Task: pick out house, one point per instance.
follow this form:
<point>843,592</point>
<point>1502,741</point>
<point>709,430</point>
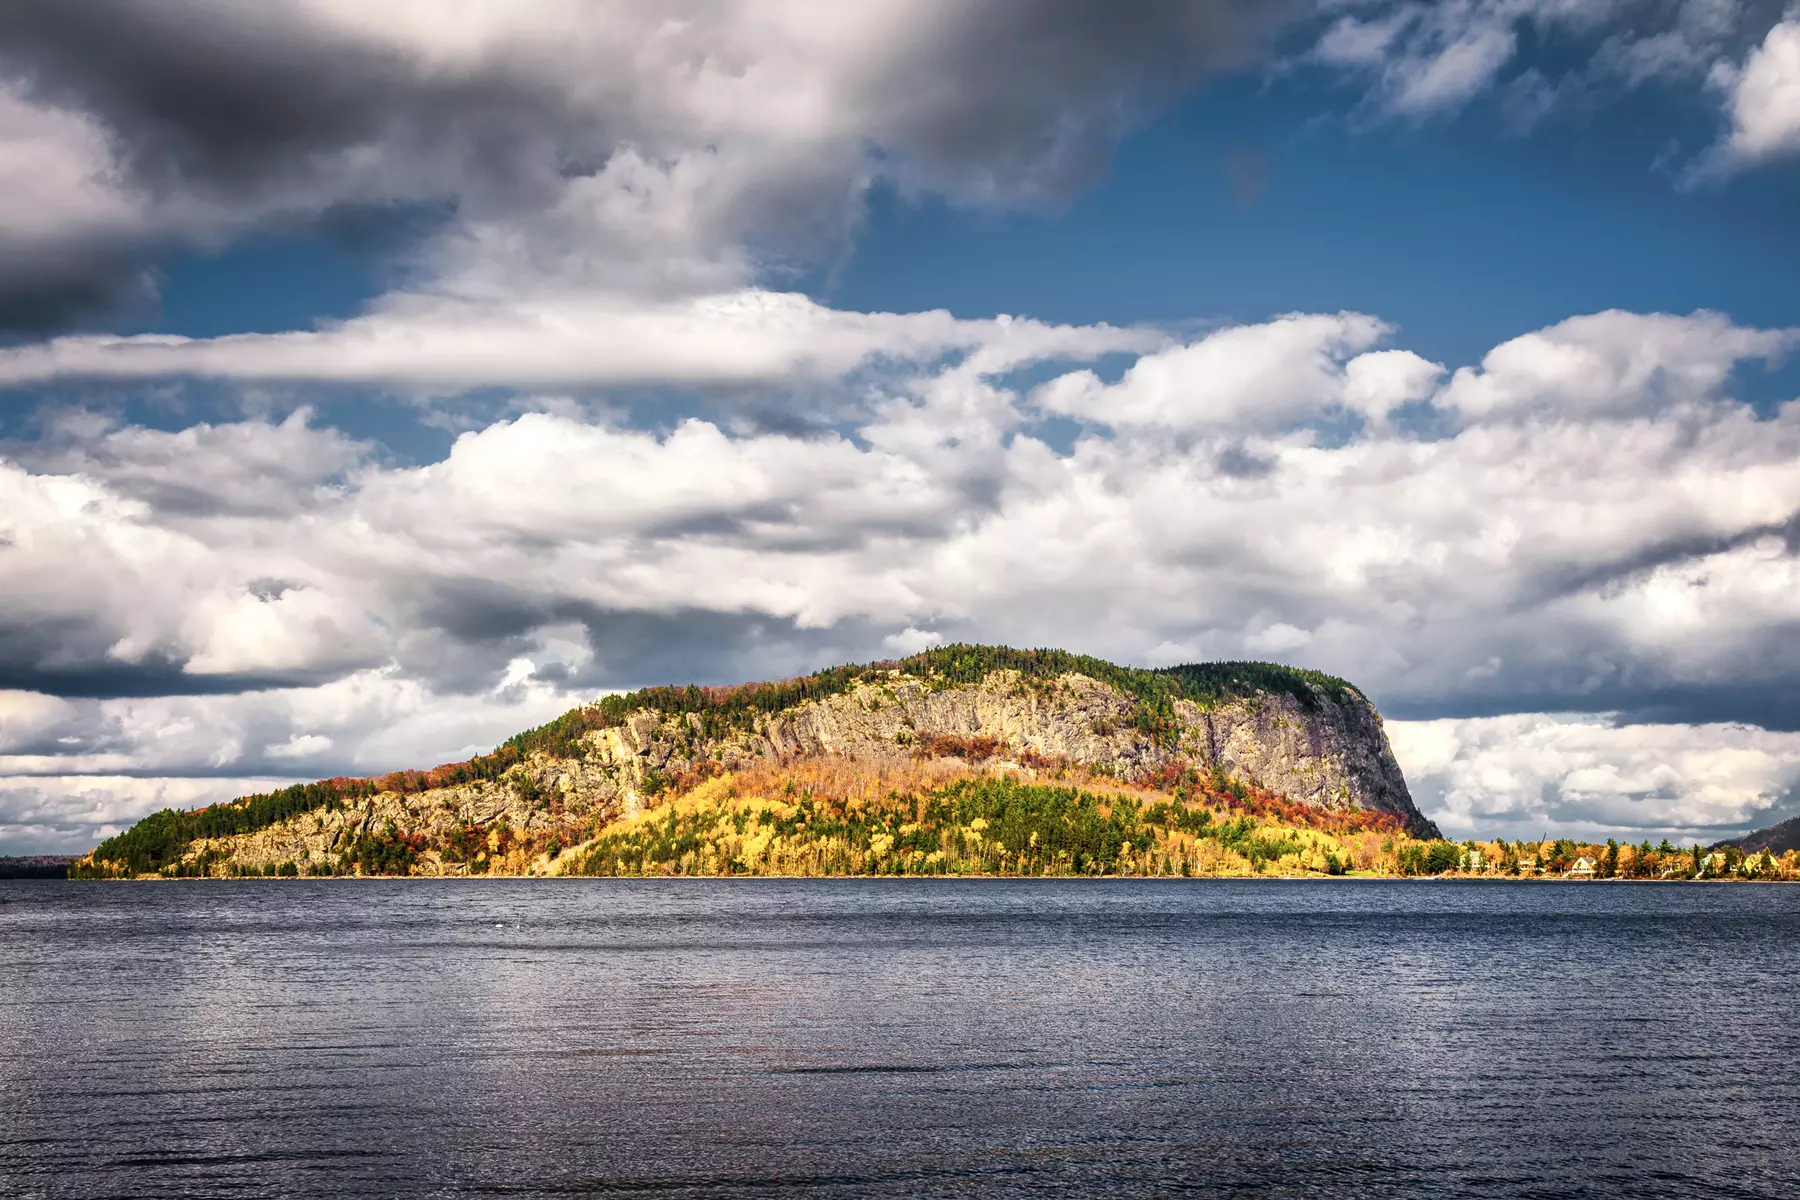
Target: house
<point>1471,860</point>
<point>1583,869</point>
<point>1714,862</point>
<point>1756,864</point>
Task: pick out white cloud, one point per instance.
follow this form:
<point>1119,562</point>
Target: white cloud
<point>366,722</point>
<point>58,178</point>
<point>1451,76</point>
<point>301,745</point>
<point>1353,42</point>
<point>243,467</point>
<point>68,217</point>
<point>1584,776</point>
<point>911,641</point>
<point>73,813</point>
<point>1594,523</point>
<point>942,508</point>
<point>1277,640</point>
<point>1425,60</point>
<point>1685,50</point>
<point>437,343</point>
<point>1763,100</point>
<point>1380,381</point>
<point>75,771</point>
<point>1247,376</point>
<point>1612,362</point>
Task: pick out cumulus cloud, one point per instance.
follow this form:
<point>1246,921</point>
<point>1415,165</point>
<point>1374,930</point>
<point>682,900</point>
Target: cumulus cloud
<point>1592,523</point>
<point>1762,101</point>
<point>70,814</point>
<point>367,721</point>
<point>1523,532</point>
<point>1616,362</point>
<point>1528,775</point>
<point>74,771</point>
<point>1251,376</point>
<point>247,468</point>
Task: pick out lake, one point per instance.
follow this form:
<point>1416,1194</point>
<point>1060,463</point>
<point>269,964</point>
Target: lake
<point>897,1038</point>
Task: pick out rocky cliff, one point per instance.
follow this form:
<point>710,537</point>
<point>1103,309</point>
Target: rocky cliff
<point>1324,750</point>
<point>1306,738</point>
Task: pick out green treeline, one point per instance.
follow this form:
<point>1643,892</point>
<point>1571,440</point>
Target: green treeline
<point>162,837</point>
<point>1427,858</point>
<point>726,709</point>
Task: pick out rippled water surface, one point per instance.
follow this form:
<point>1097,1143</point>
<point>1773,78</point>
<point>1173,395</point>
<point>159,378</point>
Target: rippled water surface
<point>857,1038</point>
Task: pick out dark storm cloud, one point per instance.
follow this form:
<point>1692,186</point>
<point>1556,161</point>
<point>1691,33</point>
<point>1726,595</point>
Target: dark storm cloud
<point>238,97</point>
<point>223,94</point>
<point>53,289</point>
<point>99,679</point>
<point>474,628</point>
<point>1029,96</point>
<point>245,110</point>
<point>639,649</point>
<point>1771,703</point>
<point>251,114</point>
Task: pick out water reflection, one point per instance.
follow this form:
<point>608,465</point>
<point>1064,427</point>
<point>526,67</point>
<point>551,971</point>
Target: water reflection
<point>884,1038</point>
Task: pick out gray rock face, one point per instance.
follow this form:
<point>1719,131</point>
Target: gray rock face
<point>1331,753</point>
<point>1335,755</point>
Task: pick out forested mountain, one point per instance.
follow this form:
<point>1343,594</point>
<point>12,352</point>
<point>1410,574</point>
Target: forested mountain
<point>964,758</point>
<point>1776,839</point>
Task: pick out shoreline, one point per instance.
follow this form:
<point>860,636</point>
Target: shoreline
<point>1346,878</point>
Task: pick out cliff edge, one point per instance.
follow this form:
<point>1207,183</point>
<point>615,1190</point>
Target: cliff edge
<point>1298,737</point>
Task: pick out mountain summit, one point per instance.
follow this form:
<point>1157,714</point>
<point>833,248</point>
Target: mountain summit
<point>1288,742</point>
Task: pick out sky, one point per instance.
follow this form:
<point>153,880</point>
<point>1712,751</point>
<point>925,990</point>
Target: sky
<point>377,381</point>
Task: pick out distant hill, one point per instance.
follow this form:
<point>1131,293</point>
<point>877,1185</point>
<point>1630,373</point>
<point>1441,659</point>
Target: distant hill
<point>871,768</point>
<point>36,866</point>
<point>1776,839</point>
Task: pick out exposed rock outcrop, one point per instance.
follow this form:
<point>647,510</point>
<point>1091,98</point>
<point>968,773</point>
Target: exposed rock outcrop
<point>1318,744</point>
<point>1329,753</point>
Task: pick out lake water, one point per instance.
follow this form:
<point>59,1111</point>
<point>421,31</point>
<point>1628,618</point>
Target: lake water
<point>888,1038</point>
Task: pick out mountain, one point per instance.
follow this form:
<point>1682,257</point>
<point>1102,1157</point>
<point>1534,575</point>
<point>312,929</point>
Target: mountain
<point>35,866</point>
<point>893,766</point>
<point>1776,839</point>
